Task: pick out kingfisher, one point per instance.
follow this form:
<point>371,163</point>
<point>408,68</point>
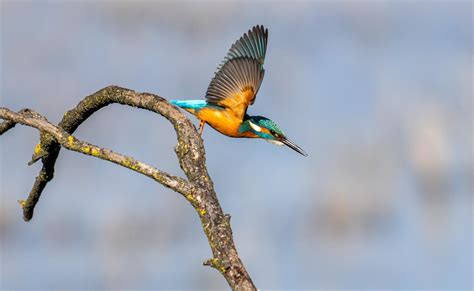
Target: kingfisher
<point>233,89</point>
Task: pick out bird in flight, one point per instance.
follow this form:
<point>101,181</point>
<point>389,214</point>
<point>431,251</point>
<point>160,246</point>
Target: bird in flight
<point>233,89</point>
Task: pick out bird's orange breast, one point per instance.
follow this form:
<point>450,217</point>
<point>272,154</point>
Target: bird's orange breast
<point>224,121</point>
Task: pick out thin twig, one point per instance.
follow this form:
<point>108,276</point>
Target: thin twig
<point>71,143</point>
<point>8,124</point>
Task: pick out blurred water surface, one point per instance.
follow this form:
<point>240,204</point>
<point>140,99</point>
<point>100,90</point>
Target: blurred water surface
<point>379,93</point>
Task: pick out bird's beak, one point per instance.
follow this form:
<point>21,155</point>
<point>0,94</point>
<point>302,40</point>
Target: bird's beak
<point>293,146</point>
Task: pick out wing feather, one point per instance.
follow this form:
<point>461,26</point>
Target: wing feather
<point>238,78</point>
<point>252,44</point>
<point>236,85</point>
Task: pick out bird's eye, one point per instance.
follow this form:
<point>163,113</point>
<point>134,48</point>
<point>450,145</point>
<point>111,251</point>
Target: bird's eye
<point>274,133</point>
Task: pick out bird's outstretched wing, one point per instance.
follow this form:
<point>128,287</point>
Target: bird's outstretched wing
<point>238,78</point>
<point>252,44</point>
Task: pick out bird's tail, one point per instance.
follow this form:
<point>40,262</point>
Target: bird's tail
<point>190,105</point>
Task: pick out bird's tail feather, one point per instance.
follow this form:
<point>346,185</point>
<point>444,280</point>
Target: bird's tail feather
<point>189,105</point>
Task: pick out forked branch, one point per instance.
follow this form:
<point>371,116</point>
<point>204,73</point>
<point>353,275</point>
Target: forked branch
<point>198,189</point>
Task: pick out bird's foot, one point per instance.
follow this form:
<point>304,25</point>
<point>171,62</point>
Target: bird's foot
<point>201,127</point>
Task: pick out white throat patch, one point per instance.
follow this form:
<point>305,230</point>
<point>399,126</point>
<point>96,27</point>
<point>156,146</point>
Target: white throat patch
<point>255,127</point>
<point>274,142</point>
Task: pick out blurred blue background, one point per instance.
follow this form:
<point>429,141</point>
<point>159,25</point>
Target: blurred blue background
<point>378,93</point>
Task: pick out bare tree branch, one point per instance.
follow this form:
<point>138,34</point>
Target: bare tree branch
<point>198,189</point>
<point>8,124</point>
<point>71,143</point>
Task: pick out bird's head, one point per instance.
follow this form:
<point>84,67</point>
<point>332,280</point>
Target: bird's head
<point>267,129</point>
